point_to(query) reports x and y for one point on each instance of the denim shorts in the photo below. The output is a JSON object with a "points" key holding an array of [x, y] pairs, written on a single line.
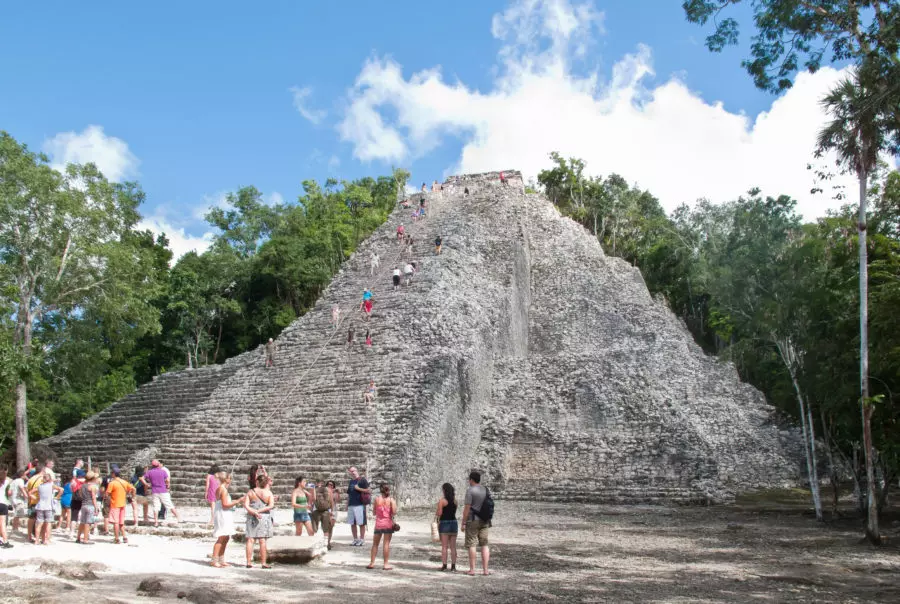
{"points": [[448, 527], [301, 516]]}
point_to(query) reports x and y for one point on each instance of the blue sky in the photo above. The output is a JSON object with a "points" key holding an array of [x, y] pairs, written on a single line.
{"points": [[197, 99]]}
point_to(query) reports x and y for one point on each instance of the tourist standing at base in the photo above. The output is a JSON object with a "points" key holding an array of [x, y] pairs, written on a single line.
{"points": [[301, 504], [259, 504], [5, 505], [87, 513], [212, 487], [321, 516], [158, 479], [473, 526], [77, 483], [448, 528], [358, 496], [65, 506], [385, 509], [223, 519], [19, 498], [118, 490], [335, 501], [140, 493]]}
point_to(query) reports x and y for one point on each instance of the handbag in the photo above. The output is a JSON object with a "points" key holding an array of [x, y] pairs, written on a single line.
{"points": [[395, 527], [435, 535]]}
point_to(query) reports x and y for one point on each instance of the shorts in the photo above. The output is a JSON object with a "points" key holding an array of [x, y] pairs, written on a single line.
{"points": [[21, 510], [4, 509], [396, 279], [437, 249], [388, 531], [301, 516], [162, 499], [117, 516], [322, 519], [142, 499], [448, 527], [43, 515], [86, 515], [356, 515], [476, 533], [76, 507]]}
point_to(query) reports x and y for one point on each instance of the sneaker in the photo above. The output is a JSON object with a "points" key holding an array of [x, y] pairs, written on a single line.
{"points": [[6, 545]]}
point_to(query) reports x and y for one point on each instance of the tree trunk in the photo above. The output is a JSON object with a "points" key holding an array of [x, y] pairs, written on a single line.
{"points": [[787, 356], [832, 469], [23, 447], [872, 533]]}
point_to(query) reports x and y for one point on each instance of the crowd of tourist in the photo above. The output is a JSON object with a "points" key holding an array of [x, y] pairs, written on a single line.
{"points": [[83, 504]]}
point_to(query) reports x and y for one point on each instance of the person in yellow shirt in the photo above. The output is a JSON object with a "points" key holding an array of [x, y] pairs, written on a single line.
{"points": [[118, 490], [31, 490]]}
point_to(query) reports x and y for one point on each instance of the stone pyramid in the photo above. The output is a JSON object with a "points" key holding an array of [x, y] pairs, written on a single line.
{"points": [[522, 350]]}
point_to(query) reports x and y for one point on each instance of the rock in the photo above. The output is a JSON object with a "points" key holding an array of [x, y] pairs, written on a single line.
{"points": [[295, 550], [151, 587], [76, 571]]}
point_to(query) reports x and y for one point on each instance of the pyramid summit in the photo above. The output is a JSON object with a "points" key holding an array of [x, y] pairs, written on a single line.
{"points": [[522, 350]]}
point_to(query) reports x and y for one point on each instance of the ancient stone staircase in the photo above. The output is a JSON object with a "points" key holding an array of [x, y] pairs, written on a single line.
{"points": [[140, 419]]}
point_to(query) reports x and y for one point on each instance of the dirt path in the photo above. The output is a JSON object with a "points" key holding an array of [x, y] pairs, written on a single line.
{"points": [[539, 553]]}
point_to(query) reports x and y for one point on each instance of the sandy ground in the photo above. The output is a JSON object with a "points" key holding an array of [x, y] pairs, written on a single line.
{"points": [[539, 553]]}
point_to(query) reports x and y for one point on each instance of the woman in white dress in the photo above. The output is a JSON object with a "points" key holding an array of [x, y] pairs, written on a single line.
{"points": [[223, 519]]}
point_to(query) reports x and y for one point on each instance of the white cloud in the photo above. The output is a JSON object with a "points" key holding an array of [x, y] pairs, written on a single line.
{"points": [[300, 97], [180, 242], [664, 137], [110, 154], [274, 198], [216, 200]]}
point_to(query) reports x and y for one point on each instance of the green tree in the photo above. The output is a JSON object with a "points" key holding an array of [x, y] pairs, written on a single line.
{"points": [[865, 33], [65, 244]]}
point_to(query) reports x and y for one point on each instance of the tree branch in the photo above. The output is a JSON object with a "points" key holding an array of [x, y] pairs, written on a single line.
{"points": [[83, 288], [65, 257]]}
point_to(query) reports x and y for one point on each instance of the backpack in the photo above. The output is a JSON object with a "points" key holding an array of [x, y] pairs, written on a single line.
{"points": [[486, 512], [366, 498], [322, 503]]}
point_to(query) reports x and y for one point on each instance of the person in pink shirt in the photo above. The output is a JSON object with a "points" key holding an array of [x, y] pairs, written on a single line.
{"points": [[385, 508]]}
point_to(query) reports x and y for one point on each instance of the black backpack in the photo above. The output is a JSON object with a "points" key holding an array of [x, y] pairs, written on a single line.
{"points": [[486, 512]]}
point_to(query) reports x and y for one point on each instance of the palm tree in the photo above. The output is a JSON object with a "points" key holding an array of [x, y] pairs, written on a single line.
{"points": [[860, 131]]}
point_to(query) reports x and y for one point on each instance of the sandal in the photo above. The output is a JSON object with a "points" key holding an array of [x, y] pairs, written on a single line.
{"points": [[266, 566], [124, 539], [115, 542], [249, 566], [388, 568], [370, 566]]}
